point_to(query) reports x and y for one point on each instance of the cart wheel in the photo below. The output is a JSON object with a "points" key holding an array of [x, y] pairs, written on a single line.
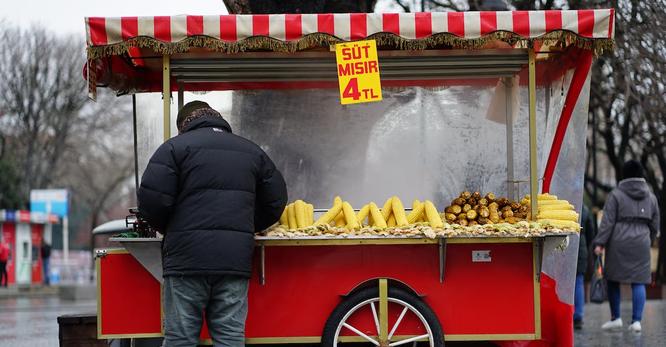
{"points": [[366, 303]]}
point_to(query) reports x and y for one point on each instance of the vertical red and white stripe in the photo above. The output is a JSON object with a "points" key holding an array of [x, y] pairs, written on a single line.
{"points": [[355, 26]]}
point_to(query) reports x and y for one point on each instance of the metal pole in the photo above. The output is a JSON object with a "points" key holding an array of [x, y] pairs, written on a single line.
{"points": [[181, 96], [136, 151], [166, 95], [510, 176], [534, 182]]}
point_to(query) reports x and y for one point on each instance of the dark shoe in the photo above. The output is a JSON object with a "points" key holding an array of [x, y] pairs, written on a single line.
{"points": [[578, 324]]}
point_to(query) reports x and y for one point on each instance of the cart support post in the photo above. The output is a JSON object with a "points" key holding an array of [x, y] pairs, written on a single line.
{"points": [[383, 310], [181, 96], [534, 183], [442, 258], [166, 95]]}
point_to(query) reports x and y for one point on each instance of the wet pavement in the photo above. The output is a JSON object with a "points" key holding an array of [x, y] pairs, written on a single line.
{"points": [[32, 322], [653, 334]]}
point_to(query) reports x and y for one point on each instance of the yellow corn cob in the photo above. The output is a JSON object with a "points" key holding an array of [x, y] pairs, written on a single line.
{"points": [[432, 215], [543, 197], [350, 216], [340, 220], [363, 214], [376, 216], [309, 210], [417, 212], [291, 217], [331, 213], [399, 212], [559, 215], [564, 206], [550, 202], [386, 210], [284, 220], [562, 224], [391, 221], [301, 219]]}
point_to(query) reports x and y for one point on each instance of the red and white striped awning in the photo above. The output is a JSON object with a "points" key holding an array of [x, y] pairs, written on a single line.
{"points": [[287, 31]]}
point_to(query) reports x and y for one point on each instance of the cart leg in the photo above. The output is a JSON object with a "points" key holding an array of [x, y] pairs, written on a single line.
{"points": [[166, 95], [383, 311]]}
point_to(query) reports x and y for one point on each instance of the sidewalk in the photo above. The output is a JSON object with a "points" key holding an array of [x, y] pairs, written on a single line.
{"points": [[654, 326], [32, 291]]}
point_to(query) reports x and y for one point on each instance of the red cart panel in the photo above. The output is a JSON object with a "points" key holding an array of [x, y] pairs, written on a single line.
{"points": [[491, 298], [129, 302]]}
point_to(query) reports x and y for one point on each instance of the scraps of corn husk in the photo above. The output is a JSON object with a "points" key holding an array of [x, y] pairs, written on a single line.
{"points": [[420, 230]]}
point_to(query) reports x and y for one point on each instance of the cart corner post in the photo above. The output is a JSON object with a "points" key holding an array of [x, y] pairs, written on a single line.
{"points": [[534, 184], [166, 95]]}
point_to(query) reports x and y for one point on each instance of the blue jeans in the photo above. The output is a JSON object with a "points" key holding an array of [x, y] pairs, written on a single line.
{"points": [[637, 300], [221, 299], [579, 297]]}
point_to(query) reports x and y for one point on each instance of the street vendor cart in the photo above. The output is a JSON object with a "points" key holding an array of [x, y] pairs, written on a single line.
{"points": [[486, 101]]}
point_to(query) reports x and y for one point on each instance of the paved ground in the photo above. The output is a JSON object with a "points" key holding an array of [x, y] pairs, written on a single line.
{"points": [[32, 322], [654, 327]]}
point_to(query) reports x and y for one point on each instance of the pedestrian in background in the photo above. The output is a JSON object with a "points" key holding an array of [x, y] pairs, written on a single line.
{"points": [[629, 225], [208, 191], [46, 257], [4, 258], [589, 231]]}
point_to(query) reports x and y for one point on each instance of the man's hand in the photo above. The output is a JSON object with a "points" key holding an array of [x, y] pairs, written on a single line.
{"points": [[598, 250]]}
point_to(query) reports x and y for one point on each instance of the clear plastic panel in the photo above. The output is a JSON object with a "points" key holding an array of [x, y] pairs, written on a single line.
{"points": [[416, 143]]}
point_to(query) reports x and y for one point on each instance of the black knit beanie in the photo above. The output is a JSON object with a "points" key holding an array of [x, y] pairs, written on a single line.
{"points": [[632, 169], [187, 110]]}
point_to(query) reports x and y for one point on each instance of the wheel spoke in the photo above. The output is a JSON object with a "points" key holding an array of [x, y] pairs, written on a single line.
{"points": [[361, 334], [395, 327], [411, 339], [374, 315]]}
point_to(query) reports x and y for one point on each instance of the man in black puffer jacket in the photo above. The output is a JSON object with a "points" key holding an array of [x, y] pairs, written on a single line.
{"points": [[209, 192]]}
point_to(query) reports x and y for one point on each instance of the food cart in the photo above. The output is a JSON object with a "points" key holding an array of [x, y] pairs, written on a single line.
{"points": [[487, 101]]}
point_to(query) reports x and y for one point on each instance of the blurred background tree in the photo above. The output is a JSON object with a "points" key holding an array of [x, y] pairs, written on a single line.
{"points": [[52, 136]]}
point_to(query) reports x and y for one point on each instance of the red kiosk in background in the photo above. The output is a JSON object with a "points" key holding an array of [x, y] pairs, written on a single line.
{"points": [[388, 291], [25, 232]]}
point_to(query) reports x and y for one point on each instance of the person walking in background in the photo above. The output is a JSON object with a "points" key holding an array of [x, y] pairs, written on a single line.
{"points": [[629, 225], [46, 255], [4, 258], [589, 231], [208, 191]]}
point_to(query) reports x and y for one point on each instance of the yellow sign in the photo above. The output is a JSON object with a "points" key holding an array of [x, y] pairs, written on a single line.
{"points": [[358, 72]]}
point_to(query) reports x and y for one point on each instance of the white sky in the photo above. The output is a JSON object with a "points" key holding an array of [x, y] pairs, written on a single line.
{"points": [[66, 16]]}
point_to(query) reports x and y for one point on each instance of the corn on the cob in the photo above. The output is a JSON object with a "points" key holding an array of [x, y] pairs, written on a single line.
{"points": [[376, 216], [386, 209], [299, 209], [327, 217], [562, 206], [284, 220], [417, 211], [291, 217], [391, 221], [340, 220], [399, 212], [562, 224], [432, 215], [309, 214], [363, 214], [350, 216], [559, 215]]}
